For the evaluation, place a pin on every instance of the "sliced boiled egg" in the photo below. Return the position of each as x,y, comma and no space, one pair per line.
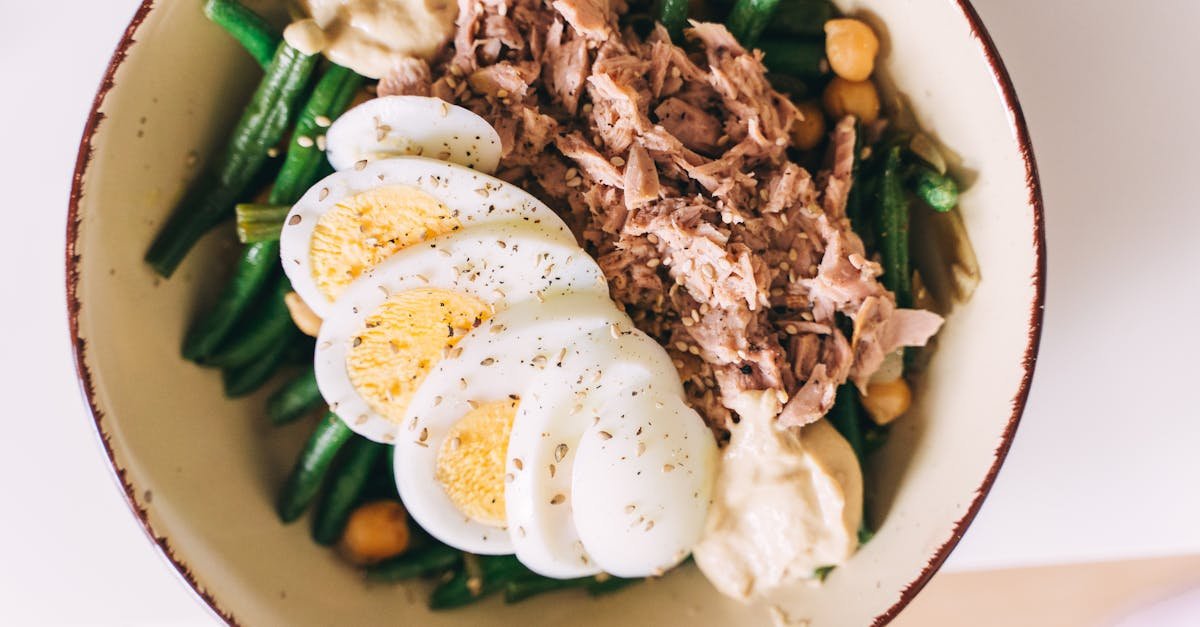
351,221
490,368
642,483
412,125
555,412
391,327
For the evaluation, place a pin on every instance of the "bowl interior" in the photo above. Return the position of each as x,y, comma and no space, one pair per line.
202,471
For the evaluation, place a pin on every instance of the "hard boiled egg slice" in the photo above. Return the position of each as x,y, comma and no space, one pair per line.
391,327
453,487
412,125
642,482
554,414
351,221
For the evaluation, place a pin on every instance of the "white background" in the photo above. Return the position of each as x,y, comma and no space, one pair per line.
1106,461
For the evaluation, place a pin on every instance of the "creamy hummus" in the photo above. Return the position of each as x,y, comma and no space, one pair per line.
371,36
786,502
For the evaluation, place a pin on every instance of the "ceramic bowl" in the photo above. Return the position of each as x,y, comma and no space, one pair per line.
200,471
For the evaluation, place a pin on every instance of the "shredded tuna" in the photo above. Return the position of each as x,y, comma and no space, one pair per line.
410,77
672,168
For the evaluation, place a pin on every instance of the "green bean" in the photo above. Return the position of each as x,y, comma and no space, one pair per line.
939,191
344,491
304,160
846,416
301,168
801,17
210,198
246,379
311,467
847,419
608,585
481,576
893,228
793,87
246,26
421,562
257,264
265,328
749,18
259,222
673,14
860,182
295,399
523,588
802,58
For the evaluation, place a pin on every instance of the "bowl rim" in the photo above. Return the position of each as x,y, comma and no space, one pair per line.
1017,125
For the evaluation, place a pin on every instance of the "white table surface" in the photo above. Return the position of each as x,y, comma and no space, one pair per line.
1106,459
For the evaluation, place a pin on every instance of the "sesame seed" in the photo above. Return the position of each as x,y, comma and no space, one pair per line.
668,467
518,464
508,478
682,346
487,361
272,152
629,509
791,329
304,141
560,452
424,434
653,263
575,182
617,161
322,121
614,330
360,165
558,499
641,448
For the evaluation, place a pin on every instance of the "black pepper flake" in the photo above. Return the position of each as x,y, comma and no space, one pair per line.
746,369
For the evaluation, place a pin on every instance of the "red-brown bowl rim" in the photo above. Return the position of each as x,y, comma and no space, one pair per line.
1032,183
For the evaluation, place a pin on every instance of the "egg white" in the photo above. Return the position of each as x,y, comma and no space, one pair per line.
642,483
501,357
392,126
553,416
503,264
476,199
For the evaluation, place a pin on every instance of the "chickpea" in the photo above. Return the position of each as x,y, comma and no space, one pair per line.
305,318
809,129
843,97
887,401
851,46
375,531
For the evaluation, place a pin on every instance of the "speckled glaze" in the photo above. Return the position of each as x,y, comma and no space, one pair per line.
200,471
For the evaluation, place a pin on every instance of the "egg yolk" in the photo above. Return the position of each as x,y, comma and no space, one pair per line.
364,229
403,339
470,463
